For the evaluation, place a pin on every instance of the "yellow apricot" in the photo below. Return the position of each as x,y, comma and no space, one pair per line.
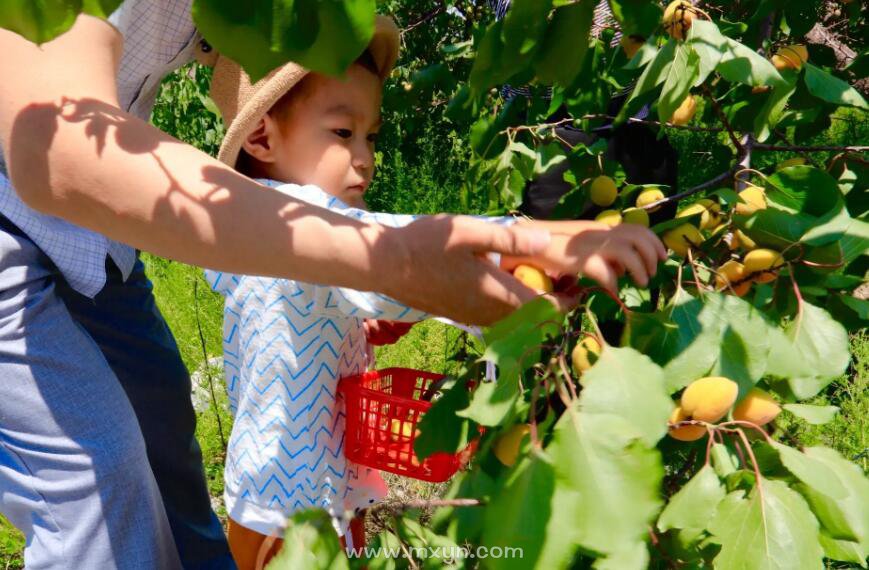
648,196
677,18
757,407
762,263
609,217
631,45
740,240
401,429
795,161
790,57
682,238
533,277
684,433
714,210
707,218
584,355
729,273
507,447
603,191
709,398
636,216
684,112
752,199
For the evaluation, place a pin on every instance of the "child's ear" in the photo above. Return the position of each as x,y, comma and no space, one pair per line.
260,143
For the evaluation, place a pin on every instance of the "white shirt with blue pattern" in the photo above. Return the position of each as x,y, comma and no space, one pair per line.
286,344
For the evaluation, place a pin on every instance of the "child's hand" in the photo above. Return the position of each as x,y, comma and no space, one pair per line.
380,332
599,251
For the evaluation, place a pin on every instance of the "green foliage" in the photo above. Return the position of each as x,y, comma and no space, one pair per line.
599,471
44,20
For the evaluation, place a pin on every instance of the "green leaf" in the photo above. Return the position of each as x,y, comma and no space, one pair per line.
708,43
100,8
720,335
695,503
815,415
681,75
724,460
845,517
810,352
42,21
772,530
844,550
803,189
741,64
513,344
440,428
628,384
615,477
772,110
488,69
310,541
814,473
523,26
322,36
519,512
566,33
656,72
831,89
636,17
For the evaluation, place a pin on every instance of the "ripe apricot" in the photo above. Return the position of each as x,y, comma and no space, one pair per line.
708,218
682,238
757,407
533,277
740,240
648,196
631,45
677,18
729,273
603,191
790,57
636,216
684,112
752,199
762,263
584,355
609,217
709,398
507,447
714,210
684,433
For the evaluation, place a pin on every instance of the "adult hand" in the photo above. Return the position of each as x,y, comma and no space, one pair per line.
443,269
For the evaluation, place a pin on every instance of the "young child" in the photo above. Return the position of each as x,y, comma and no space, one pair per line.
287,343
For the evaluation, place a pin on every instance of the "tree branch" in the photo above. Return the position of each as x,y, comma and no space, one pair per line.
799,148
426,17
728,127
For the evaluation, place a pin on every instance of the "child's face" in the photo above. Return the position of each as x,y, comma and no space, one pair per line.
327,136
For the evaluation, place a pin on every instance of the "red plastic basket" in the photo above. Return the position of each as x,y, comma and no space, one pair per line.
383,408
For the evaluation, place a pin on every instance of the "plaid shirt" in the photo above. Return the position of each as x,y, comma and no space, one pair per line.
159,36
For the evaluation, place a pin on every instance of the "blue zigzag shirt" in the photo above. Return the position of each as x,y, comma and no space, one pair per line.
286,344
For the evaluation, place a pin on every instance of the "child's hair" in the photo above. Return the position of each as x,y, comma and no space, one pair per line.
250,166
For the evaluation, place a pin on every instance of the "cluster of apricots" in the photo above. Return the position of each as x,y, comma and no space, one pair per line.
604,192
708,400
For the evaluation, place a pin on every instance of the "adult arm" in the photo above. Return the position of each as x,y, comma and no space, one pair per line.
71,152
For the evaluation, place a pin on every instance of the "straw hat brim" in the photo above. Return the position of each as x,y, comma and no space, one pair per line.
243,105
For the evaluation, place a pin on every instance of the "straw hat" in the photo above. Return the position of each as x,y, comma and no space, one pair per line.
242,105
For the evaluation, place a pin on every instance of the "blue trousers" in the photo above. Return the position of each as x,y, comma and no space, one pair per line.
99,466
